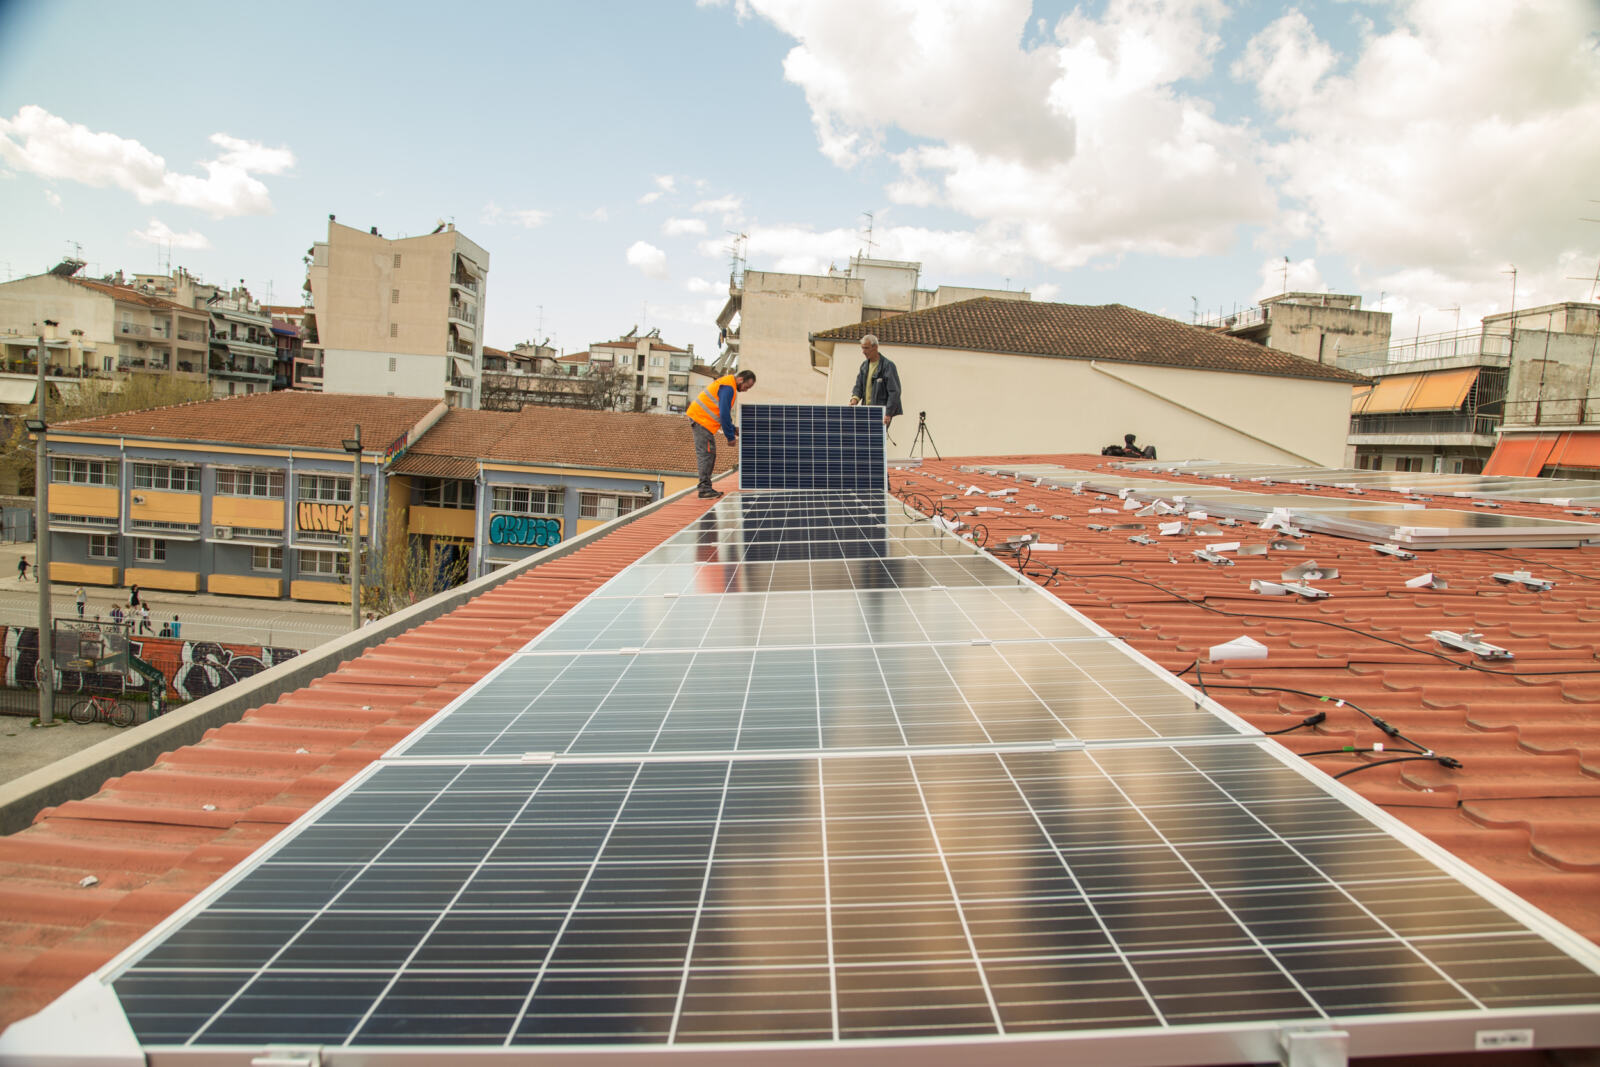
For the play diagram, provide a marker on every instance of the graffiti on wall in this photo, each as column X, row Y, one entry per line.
column 193, row 668
column 524, row 530
column 325, row 518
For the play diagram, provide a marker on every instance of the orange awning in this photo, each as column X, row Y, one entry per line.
column 1391, row 394
column 1576, row 449
column 1443, row 390
column 1522, row 455
column 1359, row 395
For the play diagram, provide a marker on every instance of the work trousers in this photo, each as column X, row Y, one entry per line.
column 705, row 453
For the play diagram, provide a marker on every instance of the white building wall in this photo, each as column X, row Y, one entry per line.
column 980, row 404
column 347, row 370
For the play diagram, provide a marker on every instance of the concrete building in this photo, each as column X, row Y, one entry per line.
column 252, row 495
column 656, row 372
column 768, row 318
column 1003, row 377
column 305, row 370
column 1316, row 326
column 398, row 317
column 102, row 326
column 1552, row 409
column 1432, row 404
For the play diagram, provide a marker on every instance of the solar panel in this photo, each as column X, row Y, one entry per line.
column 815, row 806
column 811, row 446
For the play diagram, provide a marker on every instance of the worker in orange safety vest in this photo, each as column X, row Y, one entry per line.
column 711, row 411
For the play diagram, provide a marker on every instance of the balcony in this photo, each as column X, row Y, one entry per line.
column 459, row 347
column 461, row 281
column 193, row 336
column 467, row 313
column 1425, row 425
column 133, row 329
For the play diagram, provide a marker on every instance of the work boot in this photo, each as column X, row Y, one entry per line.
column 710, row 494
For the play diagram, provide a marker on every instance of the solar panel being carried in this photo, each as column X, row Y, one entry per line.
column 955, row 821
column 811, row 446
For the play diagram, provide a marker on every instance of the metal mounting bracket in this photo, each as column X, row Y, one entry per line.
column 1314, row 1048
column 1471, row 642
column 1395, row 551
column 1524, row 578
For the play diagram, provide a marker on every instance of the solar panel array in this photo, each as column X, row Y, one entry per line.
column 811, row 446
column 936, row 805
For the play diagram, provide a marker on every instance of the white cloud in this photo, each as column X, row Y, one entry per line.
column 648, row 259
column 53, row 197
column 528, row 218
column 599, row 214
column 678, row 227
column 1082, row 147
column 665, row 183
column 701, row 285
column 1046, row 292
column 650, row 198
column 1444, row 151
column 731, row 208
column 37, row 142
column 160, row 234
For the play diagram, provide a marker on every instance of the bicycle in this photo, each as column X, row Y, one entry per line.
column 118, row 713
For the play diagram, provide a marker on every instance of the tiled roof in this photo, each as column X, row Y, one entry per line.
column 573, row 357
column 494, row 351
column 632, row 344
column 1107, row 332
column 288, row 417
column 1524, row 806
column 130, row 295
column 570, row 437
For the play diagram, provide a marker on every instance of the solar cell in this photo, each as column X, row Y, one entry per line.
column 812, row 773
column 811, row 446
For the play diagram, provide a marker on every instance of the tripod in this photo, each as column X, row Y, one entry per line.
column 923, row 438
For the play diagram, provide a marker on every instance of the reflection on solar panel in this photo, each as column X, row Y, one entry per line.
column 853, row 805
column 811, row 446
column 1497, row 487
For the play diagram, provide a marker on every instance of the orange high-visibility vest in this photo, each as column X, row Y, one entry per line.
column 706, row 409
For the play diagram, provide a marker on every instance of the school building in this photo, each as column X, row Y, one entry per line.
column 255, row 495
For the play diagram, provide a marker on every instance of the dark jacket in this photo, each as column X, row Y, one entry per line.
column 885, row 386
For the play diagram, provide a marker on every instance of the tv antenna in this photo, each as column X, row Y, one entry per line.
column 1285, row 287
column 736, row 250
column 867, row 237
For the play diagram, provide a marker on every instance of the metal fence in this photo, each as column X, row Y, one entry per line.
column 16, row 525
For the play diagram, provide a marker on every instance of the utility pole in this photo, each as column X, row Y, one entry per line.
column 353, row 446
column 41, row 557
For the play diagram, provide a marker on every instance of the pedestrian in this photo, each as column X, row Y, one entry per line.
column 22, row 569
column 133, row 596
column 116, row 614
column 166, row 630
column 144, row 619
column 369, row 619
column 82, row 598
column 877, row 382
column 711, row 411
column 177, row 627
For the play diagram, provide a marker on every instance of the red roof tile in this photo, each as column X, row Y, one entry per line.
column 286, row 418
column 1109, row 332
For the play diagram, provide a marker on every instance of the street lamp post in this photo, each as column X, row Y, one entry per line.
column 353, row 446
column 41, row 556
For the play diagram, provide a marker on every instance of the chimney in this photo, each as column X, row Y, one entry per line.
column 373, row 231
column 330, row 216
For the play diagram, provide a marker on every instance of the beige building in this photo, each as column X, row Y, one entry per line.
column 1003, row 377
column 657, row 372
column 101, row 326
column 769, row 317
column 1317, row 326
column 398, row 317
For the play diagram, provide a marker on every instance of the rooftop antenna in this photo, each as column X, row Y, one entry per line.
column 736, row 261
column 1285, row 287
column 868, row 237
column 1194, row 312
column 1457, row 309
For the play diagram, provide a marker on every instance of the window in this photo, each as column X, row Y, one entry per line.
column 327, row 488
column 83, row 471
column 149, row 550
column 323, row 563
column 394, row 296
column 393, row 362
column 447, row 493
column 394, row 331
column 658, row 361
column 397, row 261
column 1408, row 463
column 102, row 546
column 249, row 481
column 266, row 558
column 528, row 500
column 607, row 505
column 167, row 477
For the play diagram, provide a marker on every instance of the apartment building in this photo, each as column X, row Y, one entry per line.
column 397, row 316
column 101, row 326
column 1320, row 327
column 767, row 320
column 289, row 325
column 1552, row 408
column 654, row 375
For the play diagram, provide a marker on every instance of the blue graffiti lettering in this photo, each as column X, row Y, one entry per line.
column 524, row 530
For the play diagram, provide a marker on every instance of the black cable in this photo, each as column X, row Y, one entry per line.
column 1443, row 760
column 1544, row 563
column 1310, row 720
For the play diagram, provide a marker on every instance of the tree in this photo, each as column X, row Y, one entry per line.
column 400, row 571
column 603, row 387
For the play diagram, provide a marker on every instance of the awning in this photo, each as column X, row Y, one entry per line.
column 1576, row 449
column 1522, row 455
column 463, row 367
column 16, row 391
column 1443, row 390
column 69, row 391
column 1391, row 394
column 1359, row 395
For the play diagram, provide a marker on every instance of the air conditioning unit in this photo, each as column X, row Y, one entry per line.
column 222, row 533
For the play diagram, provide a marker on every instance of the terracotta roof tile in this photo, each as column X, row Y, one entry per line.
column 129, row 295
column 1108, row 332
column 288, row 417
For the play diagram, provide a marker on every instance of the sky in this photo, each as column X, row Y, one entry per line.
column 1184, row 157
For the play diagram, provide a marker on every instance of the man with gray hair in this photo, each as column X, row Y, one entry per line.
column 877, row 382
